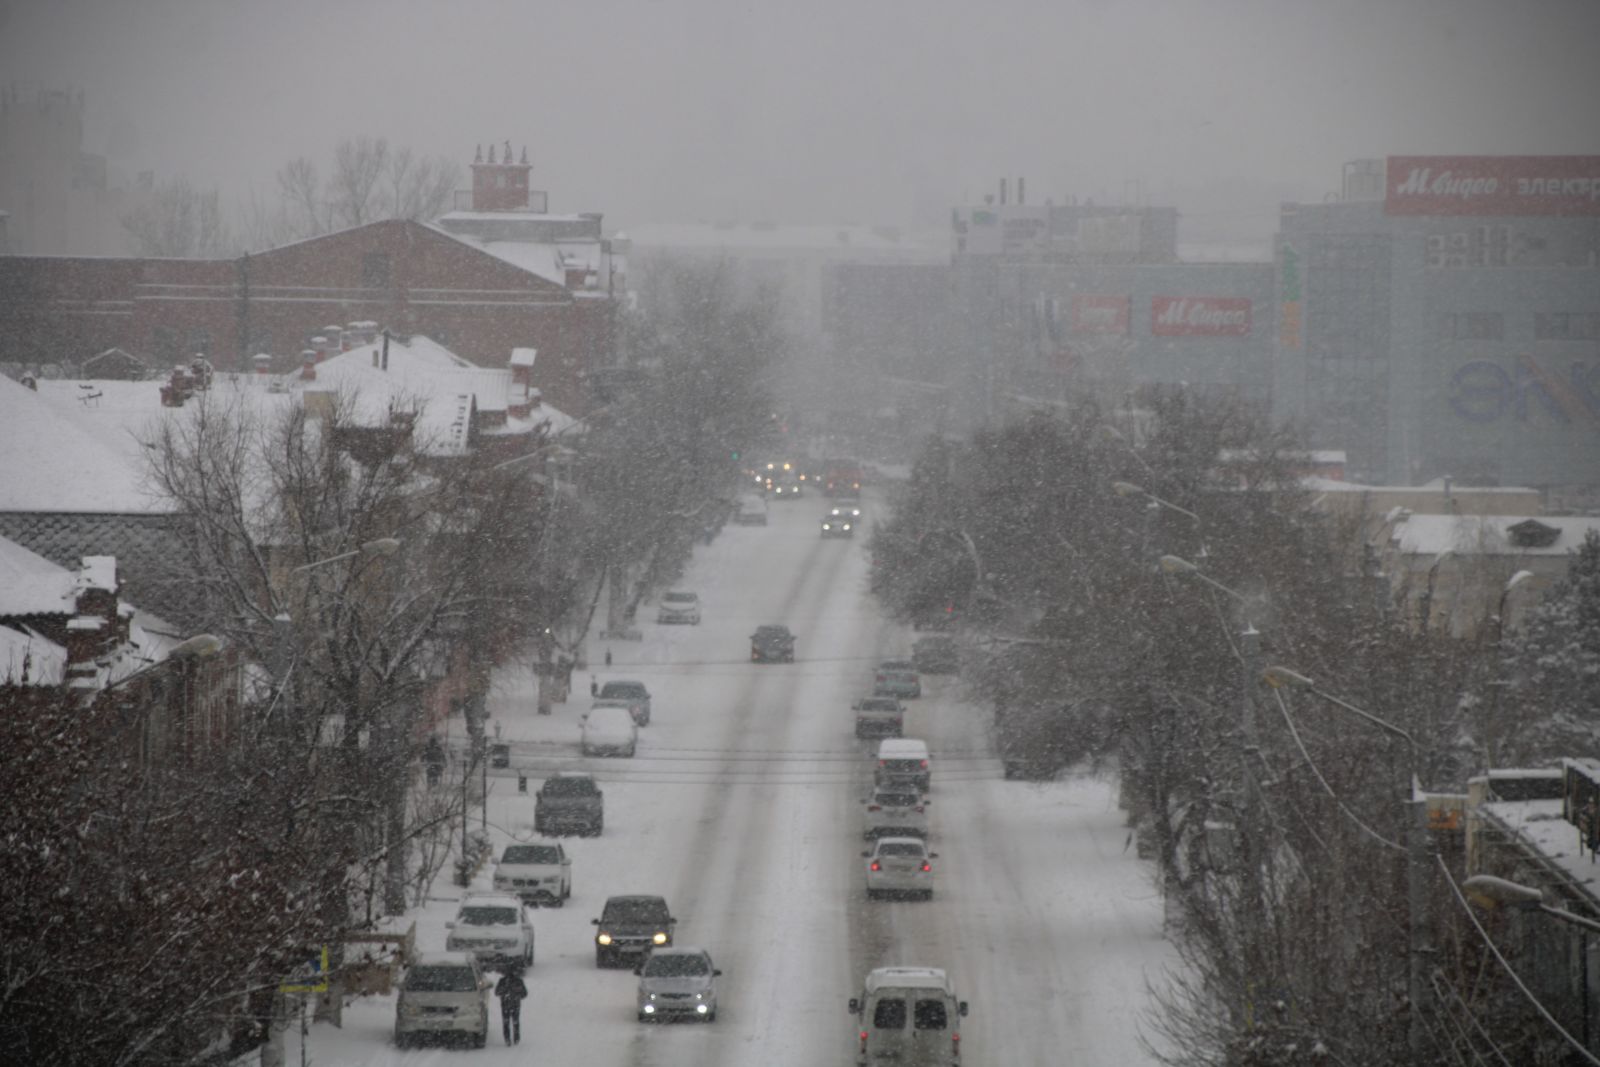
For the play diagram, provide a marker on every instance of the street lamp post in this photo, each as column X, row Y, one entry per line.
column 1427, row 594
column 1416, row 840
column 1500, row 609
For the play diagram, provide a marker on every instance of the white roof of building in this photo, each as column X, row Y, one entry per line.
column 51, row 462
column 1540, row 825
column 1480, row 535
column 26, row 658
column 32, row 585
column 535, row 257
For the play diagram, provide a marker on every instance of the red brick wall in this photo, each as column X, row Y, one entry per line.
column 477, row 305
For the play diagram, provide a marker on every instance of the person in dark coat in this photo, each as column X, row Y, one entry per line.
column 433, row 759
column 511, row 990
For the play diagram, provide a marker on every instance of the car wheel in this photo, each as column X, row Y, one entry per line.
column 927, row 894
column 711, row 1016
column 872, row 894
column 481, row 1038
column 601, row 958
column 402, row 1041
column 643, row 1017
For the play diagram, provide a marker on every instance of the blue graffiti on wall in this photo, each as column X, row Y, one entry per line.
column 1484, row 391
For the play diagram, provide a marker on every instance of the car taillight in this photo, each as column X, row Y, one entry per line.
column 863, row 1039
column 875, row 866
column 917, row 808
column 926, row 866
column 955, row 1037
column 924, row 764
column 883, row 763
column 877, row 807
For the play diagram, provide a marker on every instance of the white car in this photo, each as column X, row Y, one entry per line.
column 536, row 873
column 678, row 981
column 609, row 731
column 900, row 866
column 679, row 606
column 895, row 812
column 443, row 997
column 494, row 927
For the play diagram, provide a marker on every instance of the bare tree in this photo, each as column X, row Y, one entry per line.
column 359, row 164
column 179, row 221
column 300, row 193
column 420, row 187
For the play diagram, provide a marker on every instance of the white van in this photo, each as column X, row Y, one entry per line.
column 908, row 1017
column 903, row 761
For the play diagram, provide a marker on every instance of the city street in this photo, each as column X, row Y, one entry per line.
column 742, row 808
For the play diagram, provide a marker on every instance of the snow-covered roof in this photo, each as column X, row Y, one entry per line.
column 1428, row 535
column 51, row 463
column 1540, row 825
column 523, row 357
column 501, row 216
column 535, row 257
column 32, row 585
column 28, row 658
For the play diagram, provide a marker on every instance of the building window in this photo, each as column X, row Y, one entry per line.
column 375, row 270
column 1566, row 326
column 1473, row 326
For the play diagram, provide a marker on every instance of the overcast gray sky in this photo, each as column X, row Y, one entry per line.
column 823, row 110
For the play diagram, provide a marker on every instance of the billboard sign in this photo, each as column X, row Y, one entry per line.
column 1492, row 185
column 1200, row 316
column 1092, row 313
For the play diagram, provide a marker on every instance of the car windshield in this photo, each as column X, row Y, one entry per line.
column 879, row 704
column 623, row 690
column 532, row 854
column 488, row 915
column 635, row 911
column 437, row 978
column 899, row 848
column 896, row 800
column 569, row 787
column 679, row 598
column 676, row 966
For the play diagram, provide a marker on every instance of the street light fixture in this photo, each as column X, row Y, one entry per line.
column 383, row 546
column 1129, row 489
column 1179, row 565
column 1488, row 889
column 1500, row 610
column 1284, row 678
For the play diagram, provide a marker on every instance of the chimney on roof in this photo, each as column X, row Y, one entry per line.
column 477, row 156
column 491, row 153
column 1002, row 192
column 308, row 365
column 1022, row 195
column 524, row 155
column 508, row 151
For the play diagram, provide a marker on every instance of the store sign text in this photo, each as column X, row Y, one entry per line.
column 1492, row 185
column 1199, row 316
column 1101, row 314
column 1483, row 391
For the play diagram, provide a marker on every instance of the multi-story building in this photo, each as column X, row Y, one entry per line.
column 1443, row 318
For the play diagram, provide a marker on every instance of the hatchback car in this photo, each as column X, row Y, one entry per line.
column 679, row 606
column 631, row 926
column 626, row 694
column 900, row 866
column 442, row 997
column 678, row 981
column 609, row 731
column 896, row 678
column 495, row 928
column 895, row 812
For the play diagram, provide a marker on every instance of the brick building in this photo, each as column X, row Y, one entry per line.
column 481, row 296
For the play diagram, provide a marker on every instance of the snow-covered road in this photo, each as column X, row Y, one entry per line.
column 742, row 808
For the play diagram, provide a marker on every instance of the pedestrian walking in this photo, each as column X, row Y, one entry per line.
column 594, row 686
column 511, row 990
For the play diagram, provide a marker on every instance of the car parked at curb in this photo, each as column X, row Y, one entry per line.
column 626, row 694
column 679, row 606
column 752, row 511
column 442, row 997
column 609, row 731
column 569, row 800
column 538, row 873
column 495, row 928
column 677, row 981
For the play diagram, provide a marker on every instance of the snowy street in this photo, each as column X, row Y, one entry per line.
column 743, row 809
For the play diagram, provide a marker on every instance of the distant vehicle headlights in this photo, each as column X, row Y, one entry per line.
column 660, row 938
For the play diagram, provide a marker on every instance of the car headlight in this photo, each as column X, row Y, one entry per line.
column 847, row 526
column 699, row 996
column 649, row 1009
column 660, row 938
column 604, row 939
column 650, row 996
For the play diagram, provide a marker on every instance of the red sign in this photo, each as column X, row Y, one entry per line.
column 1492, row 185
column 1200, row 316
column 1101, row 314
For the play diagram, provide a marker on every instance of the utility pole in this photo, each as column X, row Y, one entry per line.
column 1417, row 909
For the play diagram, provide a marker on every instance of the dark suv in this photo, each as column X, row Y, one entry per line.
column 631, row 926
column 772, row 644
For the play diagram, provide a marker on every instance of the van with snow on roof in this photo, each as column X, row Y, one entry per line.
column 908, row 1017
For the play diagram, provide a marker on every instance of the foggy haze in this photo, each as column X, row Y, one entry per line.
column 827, row 111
